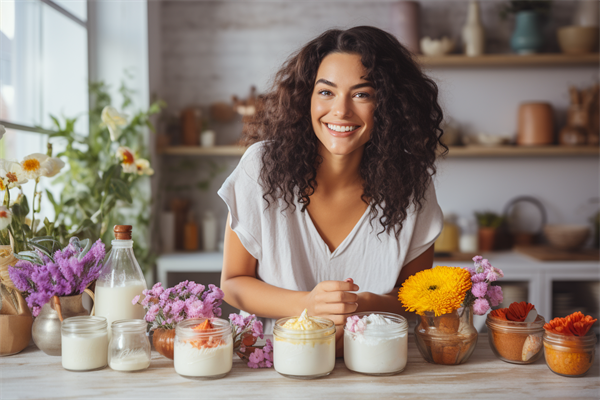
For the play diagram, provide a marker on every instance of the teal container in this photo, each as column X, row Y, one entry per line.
column 527, row 37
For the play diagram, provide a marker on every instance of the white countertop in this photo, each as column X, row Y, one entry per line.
column 34, row 375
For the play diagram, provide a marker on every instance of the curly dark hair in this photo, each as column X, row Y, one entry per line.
column 399, row 157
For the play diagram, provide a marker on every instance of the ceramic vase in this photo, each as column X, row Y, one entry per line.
column 405, row 21
column 448, row 339
column 535, row 124
column 163, row 341
column 473, row 34
column 486, row 237
column 527, row 37
column 46, row 330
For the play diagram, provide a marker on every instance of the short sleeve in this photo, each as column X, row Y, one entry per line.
column 428, row 225
column 242, row 193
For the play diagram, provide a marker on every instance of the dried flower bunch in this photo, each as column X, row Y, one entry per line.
column 166, row 307
column 575, row 324
column 41, row 275
column 516, row 312
column 442, row 290
column 246, row 331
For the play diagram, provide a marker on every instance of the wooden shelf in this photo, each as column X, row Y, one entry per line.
column 454, row 151
column 509, row 60
column 522, row 151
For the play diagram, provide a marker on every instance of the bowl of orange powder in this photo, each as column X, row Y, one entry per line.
column 515, row 333
column 569, row 344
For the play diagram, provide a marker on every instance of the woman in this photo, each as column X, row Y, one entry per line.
column 332, row 207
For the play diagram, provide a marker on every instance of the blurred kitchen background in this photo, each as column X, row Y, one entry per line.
column 518, row 85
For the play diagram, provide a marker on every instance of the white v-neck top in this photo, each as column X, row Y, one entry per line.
column 292, row 255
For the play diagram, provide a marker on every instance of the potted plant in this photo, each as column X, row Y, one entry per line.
column 488, row 222
column 527, row 38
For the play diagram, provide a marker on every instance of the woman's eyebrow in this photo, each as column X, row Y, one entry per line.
column 326, row 82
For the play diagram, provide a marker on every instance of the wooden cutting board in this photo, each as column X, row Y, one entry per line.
column 547, row 253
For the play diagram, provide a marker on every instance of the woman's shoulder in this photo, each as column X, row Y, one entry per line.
column 251, row 161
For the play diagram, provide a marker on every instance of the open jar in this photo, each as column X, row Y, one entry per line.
column 569, row 355
column 84, row 343
column 129, row 348
column 380, row 348
column 203, row 354
column 516, row 342
column 304, row 354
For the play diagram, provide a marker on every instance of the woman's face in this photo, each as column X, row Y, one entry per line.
column 342, row 104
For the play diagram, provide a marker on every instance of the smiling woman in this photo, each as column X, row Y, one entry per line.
column 333, row 206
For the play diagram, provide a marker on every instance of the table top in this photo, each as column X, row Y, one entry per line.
column 34, row 375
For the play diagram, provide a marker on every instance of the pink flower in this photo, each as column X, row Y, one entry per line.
column 493, row 274
column 481, row 306
column 494, row 293
column 135, row 299
column 477, row 259
column 479, row 289
column 478, row 278
column 255, row 358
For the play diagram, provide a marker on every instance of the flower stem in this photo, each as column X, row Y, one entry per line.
column 33, row 206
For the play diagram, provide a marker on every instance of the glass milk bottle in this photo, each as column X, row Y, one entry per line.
column 120, row 280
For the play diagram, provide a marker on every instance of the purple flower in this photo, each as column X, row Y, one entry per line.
column 471, row 270
column 256, row 358
column 237, row 320
column 478, row 278
column 481, row 306
column 493, row 274
column 479, row 289
column 135, row 299
column 257, row 329
column 486, row 264
column 477, row 259
column 494, row 294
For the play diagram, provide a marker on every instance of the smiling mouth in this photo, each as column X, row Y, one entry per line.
column 342, row 128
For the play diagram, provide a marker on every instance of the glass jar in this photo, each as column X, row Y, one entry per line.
column 447, row 339
column 129, row 348
column 304, row 354
column 84, row 343
column 379, row 349
column 203, row 354
column 569, row 355
column 120, row 280
column 516, row 342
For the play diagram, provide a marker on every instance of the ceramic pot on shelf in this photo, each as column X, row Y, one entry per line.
column 527, row 37
column 163, row 341
column 46, row 330
column 448, row 339
column 486, row 237
column 535, row 124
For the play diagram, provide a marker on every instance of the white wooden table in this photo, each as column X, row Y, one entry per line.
column 34, row 375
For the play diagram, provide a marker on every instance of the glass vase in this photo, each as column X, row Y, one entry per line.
column 448, row 339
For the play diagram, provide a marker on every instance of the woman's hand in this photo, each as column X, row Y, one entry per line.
column 333, row 300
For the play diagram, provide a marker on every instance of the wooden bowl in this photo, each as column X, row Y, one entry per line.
column 567, row 237
column 578, row 39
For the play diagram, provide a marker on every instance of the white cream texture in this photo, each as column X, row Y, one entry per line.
column 379, row 349
column 114, row 303
column 130, row 361
column 84, row 352
column 304, row 356
column 206, row 362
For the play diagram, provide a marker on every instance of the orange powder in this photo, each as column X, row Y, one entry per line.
column 572, row 362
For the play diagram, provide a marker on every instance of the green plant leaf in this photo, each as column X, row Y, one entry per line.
column 120, row 189
column 30, row 256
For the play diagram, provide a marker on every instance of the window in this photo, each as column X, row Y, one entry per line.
column 43, row 70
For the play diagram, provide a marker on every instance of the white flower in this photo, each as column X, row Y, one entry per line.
column 2, row 131
column 114, row 121
column 5, row 217
column 38, row 164
column 127, row 159
column 11, row 174
column 143, row 167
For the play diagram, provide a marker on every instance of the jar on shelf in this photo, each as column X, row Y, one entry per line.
column 381, row 348
column 203, row 353
column 447, row 339
column 84, row 343
column 304, row 354
column 129, row 348
column 516, row 342
column 569, row 355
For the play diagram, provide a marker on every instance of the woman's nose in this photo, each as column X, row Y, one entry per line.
column 342, row 107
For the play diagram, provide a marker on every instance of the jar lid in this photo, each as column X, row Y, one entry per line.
column 84, row 324
column 129, row 325
column 122, row 232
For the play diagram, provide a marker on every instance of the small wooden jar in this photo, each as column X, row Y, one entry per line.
column 536, row 124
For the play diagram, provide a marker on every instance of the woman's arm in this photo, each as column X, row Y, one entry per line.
column 331, row 299
column 368, row 301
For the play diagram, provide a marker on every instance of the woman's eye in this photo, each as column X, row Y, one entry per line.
column 362, row 95
column 325, row 92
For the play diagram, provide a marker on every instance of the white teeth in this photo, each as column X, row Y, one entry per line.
column 339, row 128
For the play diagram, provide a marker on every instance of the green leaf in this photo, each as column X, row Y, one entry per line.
column 42, row 249
column 120, row 189
column 30, row 256
column 51, row 197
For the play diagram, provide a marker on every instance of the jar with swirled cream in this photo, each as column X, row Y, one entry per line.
column 304, row 347
column 376, row 343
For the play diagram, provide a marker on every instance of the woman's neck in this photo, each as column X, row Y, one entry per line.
column 338, row 172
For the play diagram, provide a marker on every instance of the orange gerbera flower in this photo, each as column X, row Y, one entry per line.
column 575, row 324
